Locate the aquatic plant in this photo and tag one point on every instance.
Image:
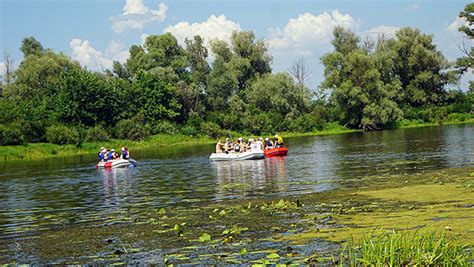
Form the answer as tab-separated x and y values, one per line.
405	248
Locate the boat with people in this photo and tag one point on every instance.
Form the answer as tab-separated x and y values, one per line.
111	159
247	155
117	163
257	148
275	152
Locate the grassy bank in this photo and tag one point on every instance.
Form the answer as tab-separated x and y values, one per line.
39	151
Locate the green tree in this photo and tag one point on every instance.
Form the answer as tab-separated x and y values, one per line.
31	46
363	99
421	68
86	98
466	62
158	100
160	53
280	94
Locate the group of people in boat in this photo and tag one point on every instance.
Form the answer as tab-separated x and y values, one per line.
106	155
240	145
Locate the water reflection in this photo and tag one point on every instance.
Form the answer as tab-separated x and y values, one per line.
118	184
249	177
61	191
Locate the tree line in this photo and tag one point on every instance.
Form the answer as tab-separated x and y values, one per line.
164	87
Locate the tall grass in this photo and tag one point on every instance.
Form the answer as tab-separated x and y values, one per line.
406	248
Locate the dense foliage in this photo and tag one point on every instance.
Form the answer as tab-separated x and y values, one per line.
164	87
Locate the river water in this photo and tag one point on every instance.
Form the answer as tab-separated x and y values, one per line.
39	195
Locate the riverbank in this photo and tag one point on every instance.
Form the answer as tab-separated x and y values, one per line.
40	151
304	229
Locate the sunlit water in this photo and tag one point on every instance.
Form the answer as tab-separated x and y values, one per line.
39	195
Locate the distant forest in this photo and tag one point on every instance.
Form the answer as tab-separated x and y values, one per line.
164	87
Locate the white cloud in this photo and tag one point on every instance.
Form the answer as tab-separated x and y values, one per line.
387	31
458	22
136	15
134	7
213	28
87	55
307	29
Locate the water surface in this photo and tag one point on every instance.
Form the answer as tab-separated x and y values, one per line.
42	194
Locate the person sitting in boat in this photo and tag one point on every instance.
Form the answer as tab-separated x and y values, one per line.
105	154
253	145
100	155
240	144
111	154
268	143
278	141
219	146
259	143
237	146
228	145
125	153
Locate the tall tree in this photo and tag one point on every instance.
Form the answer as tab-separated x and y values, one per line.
31	46
421	68
358	92
466	62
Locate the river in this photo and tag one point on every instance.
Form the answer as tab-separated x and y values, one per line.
42	194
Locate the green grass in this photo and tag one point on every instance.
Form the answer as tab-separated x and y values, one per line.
454	118
406	248
38	151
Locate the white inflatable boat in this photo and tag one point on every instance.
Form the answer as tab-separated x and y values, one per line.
252	154
118	163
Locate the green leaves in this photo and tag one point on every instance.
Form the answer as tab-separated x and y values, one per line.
205	237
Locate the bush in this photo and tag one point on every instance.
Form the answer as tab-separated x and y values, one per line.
62	135
132	130
211	129
97	133
189	130
11	135
165	127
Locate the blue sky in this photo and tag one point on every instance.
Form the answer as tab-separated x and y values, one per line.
97	32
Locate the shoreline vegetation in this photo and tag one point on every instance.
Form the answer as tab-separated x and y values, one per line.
42	151
167	90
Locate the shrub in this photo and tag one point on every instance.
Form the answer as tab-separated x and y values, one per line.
211	129
11	135
61	135
132	130
189	130
165	127
97	133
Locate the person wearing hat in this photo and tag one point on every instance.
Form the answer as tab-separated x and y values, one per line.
268	143
125	153
278	141
110	156
100	155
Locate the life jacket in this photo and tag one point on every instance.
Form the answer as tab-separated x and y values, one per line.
124	154
280	140
110	156
237	148
269	143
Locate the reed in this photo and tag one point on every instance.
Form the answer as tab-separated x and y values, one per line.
406	248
